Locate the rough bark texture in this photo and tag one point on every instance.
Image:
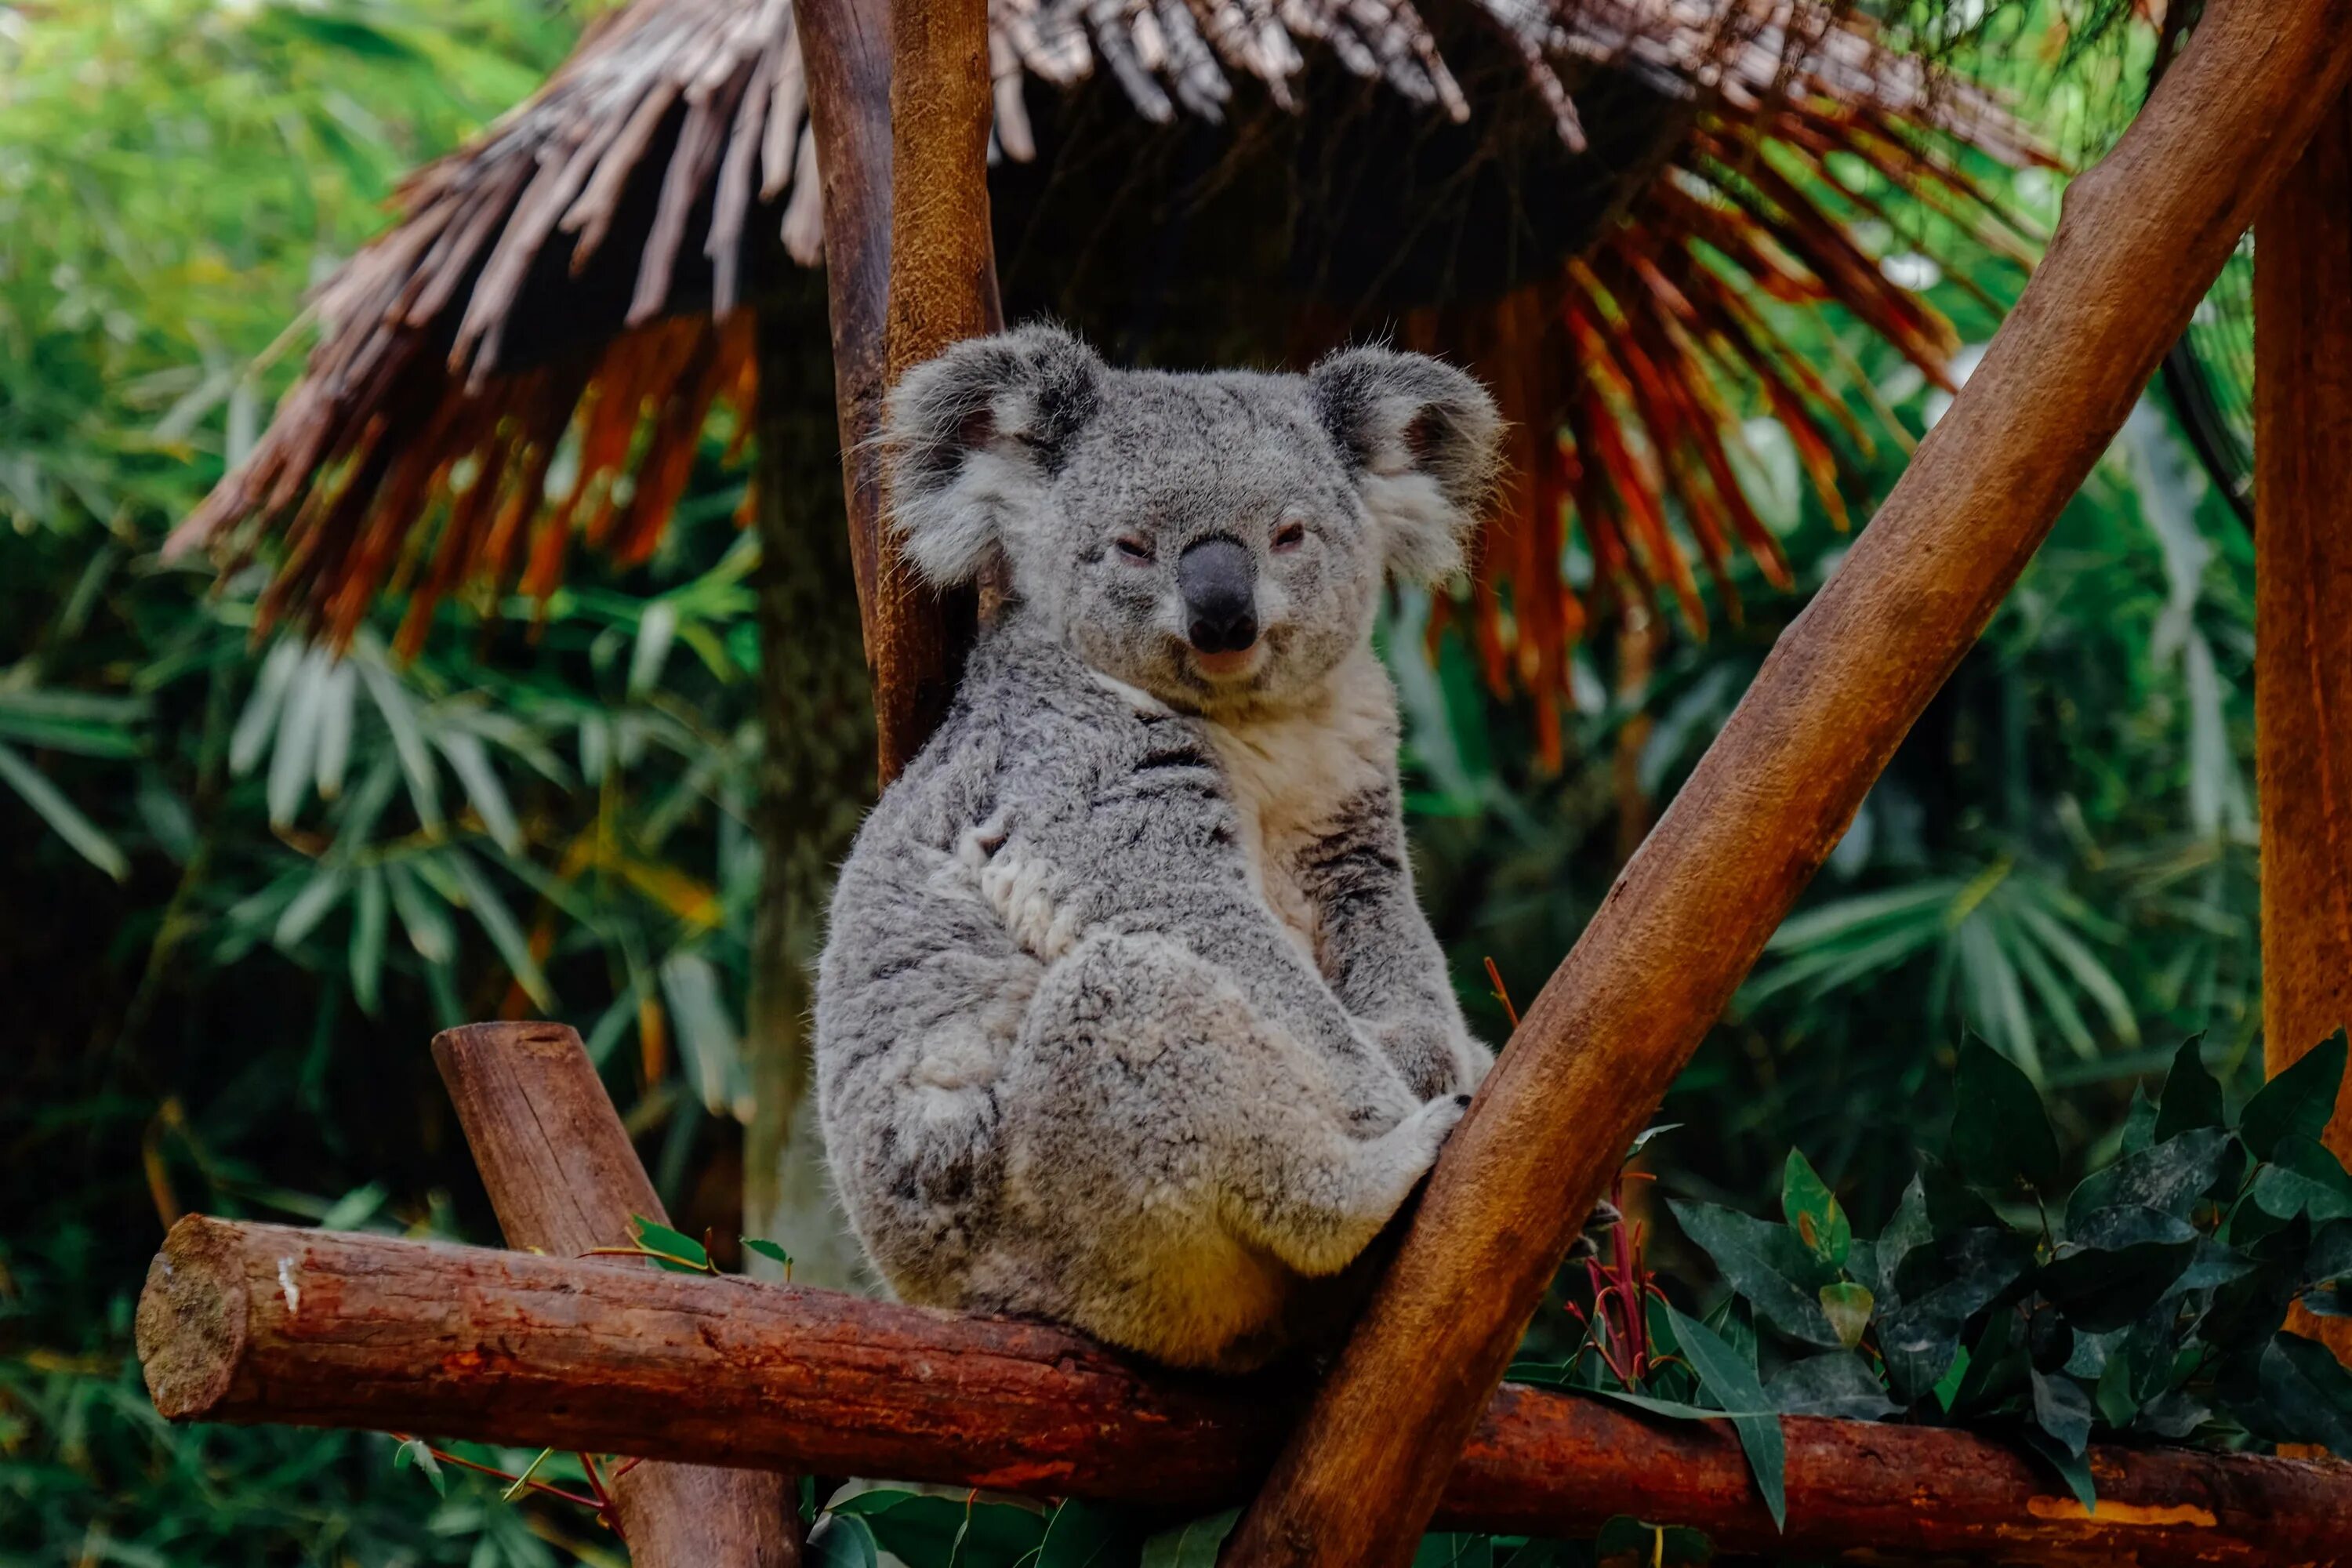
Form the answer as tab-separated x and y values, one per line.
562	1177
2302	610
250	1322
917	75
2143	235
816	777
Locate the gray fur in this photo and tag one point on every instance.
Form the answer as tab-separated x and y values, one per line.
1127	1016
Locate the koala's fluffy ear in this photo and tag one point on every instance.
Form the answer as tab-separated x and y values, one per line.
970	437
1424	443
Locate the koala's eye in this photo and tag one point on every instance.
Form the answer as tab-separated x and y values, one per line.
1134	548
1290	537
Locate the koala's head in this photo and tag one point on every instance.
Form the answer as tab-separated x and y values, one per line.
1218	540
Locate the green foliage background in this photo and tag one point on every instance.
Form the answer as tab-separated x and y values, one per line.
240	887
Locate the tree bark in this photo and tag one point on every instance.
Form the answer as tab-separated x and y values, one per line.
562	1177
2303	611
2142	237
254	1322
815	780
896	89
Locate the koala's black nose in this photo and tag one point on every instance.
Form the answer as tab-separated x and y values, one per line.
1218	579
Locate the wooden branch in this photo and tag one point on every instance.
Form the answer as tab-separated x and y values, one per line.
894	89
2143	235
254	1322
562	1177
2302	611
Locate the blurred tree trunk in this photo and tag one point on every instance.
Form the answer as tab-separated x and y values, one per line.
2303	611
816	774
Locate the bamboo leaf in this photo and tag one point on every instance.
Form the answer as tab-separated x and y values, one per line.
65	819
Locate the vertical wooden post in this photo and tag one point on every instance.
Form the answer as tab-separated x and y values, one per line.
900	89
2303	609
2143	235
562	1177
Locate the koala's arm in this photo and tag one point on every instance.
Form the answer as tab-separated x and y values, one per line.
1381	959
1162	849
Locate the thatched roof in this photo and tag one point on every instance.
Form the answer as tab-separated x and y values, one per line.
571	280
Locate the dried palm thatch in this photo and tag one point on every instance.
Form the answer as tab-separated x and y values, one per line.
567	295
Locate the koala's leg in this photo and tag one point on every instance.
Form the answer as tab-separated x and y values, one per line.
1377	952
1155	1098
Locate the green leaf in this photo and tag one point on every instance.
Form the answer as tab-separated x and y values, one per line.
2117	1264
1454	1549
1838	1383
2000	1135
407	735
1190	1545
1082	1534
471	763
415	1452
926	1528
1847	1306
2304	1179
2139	1121
2307	1393
2297	1103
368	924
1766	1264
50	803
1642	1139
2072	1469
2170	1176
771	1251
2192	1097
1942	1286
1813	1213
2063	1410
2330	1258
846	1541
676	1244
499	923
1731	1382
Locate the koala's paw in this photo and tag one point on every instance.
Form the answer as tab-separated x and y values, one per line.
1434	1059
1426	1131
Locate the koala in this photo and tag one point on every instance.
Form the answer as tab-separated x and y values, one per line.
1127	1016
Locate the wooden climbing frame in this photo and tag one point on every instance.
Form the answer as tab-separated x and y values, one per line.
257	1323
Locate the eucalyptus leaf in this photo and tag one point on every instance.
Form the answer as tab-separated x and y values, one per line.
2072	1468
2307	1393
2000	1135
842	1540
2304	1178
1837	1382
1813	1212
1193	1544
2061	1409
2116	1264
1766	1264
1082	1534
2192	1096
1847	1306
2169	1176
2296	1104
1732	1383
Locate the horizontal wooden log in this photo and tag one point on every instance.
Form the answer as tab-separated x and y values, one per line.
252	1322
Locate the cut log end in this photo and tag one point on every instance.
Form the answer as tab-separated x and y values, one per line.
192	1314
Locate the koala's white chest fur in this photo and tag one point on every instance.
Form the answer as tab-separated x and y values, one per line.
1293	774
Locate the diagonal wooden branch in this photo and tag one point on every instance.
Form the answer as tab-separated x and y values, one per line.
2142	237
562	1177
900	88
254	1322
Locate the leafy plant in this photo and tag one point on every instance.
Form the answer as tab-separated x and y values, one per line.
2145	1304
